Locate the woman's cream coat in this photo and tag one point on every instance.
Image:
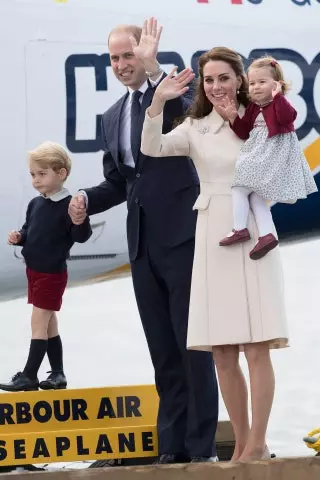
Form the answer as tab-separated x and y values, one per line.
234	300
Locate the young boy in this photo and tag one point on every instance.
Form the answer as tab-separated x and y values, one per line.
47	236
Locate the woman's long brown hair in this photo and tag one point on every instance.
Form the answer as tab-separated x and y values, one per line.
201	106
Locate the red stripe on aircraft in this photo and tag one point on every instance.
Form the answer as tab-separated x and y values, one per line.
234	2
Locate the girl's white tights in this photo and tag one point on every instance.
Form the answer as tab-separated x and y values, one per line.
243	198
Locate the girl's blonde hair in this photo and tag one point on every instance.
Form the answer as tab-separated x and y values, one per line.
51	155
275	69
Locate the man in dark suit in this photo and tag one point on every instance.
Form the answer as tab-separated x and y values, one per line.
160	193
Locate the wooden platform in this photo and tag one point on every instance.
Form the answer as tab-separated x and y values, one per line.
278	469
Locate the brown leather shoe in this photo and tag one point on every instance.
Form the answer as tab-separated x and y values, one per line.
237	237
264	245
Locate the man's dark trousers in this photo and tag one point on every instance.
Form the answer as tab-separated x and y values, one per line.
185	379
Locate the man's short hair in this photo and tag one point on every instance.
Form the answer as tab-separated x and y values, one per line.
133	30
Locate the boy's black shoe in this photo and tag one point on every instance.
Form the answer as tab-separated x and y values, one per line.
55	381
20	382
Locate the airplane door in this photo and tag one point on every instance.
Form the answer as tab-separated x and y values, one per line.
46	120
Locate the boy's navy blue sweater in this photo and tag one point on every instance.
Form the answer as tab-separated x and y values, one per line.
48	234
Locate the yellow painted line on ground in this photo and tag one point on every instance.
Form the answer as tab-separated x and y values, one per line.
122	271
119	272
312	153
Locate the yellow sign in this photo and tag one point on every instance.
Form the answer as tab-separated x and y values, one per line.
78	409
84	424
71	445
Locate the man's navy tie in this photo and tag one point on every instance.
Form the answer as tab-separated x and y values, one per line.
135	124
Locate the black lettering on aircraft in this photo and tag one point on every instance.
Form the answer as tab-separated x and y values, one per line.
101	62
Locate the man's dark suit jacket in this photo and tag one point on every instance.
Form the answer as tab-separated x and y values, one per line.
165	188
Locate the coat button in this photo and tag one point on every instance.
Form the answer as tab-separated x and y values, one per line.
137	175
136	200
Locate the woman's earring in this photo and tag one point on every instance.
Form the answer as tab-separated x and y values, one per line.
238	91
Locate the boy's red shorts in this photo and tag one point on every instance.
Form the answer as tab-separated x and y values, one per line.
45	290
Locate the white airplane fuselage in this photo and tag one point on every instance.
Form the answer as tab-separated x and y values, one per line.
56	81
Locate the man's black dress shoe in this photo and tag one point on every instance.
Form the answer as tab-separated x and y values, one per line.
204	459
19	383
55	381
167	458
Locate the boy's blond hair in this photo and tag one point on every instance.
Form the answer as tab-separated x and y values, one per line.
51	155
275	69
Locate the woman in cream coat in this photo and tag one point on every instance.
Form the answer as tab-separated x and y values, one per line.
236	303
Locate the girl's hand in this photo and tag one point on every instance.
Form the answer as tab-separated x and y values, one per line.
276	89
14	237
173	86
228	110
